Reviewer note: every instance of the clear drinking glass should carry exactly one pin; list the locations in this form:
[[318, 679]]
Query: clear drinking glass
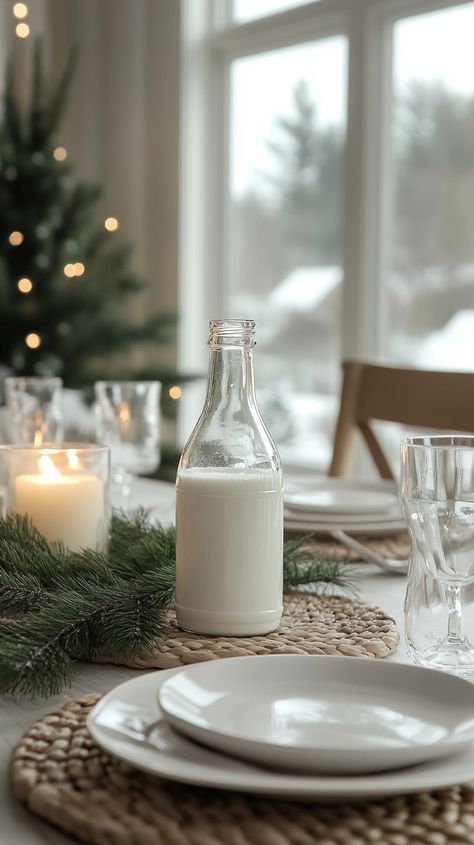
[[229, 501], [64, 491], [437, 492], [34, 413], [128, 420]]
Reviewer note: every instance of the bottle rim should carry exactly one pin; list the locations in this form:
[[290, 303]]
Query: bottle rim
[[231, 332]]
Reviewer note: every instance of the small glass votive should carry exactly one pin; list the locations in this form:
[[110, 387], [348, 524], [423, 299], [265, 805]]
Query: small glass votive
[[64, 490], [34, 413], [128, 420]]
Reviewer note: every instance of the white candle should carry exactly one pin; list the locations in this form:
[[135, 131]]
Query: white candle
[[69, 508]]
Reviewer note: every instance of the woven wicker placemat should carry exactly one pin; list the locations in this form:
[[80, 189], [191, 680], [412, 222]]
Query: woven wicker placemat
[[395, 545], [60, 774], [310, 625]]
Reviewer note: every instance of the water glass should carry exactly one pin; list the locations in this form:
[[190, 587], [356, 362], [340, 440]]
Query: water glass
[[128, 420], [437, 493], [34, 412]]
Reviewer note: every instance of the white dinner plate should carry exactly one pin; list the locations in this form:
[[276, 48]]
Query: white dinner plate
[[372, 529], [332, 518], [167, 754], [341, 499], [327, 715], [324, 494]]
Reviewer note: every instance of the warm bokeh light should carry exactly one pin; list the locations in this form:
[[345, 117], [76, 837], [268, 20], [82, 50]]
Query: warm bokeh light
[[175, 392], [111, 224], [124, 412], [25, 286], [79, 269], [38, 441], [22, 30], [20, 10], [33, 340], [16, 238], [69, 270], [60, 153]]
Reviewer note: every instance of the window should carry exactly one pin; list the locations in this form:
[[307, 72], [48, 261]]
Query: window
[[247, 10], [432, 262], [328, 192], [284, 235]]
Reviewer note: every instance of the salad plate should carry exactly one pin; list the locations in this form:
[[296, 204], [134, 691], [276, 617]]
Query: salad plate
[[118, 724]]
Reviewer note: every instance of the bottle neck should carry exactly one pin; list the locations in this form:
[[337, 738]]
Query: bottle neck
[[230, 382]]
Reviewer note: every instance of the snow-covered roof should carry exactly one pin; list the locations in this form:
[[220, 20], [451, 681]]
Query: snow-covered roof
[[452, 347], [306, 287]]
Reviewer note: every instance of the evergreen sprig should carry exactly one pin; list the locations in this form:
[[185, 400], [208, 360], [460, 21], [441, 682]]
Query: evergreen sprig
[[58, 607]]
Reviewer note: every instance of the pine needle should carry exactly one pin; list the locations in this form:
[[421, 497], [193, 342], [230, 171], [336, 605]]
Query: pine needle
[[302, 566], [74, 606]]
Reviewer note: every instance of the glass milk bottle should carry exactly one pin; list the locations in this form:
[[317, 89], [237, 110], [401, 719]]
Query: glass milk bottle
[[229, 502]]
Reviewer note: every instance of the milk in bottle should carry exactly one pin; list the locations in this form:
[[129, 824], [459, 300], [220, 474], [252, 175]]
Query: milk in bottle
[[229, 502]]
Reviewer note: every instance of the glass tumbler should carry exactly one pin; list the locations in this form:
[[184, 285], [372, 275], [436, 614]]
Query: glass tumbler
[[437, 493], [34, 413], [128, 420], [64, 491]]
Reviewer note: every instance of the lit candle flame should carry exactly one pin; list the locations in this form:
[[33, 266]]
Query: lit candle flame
[[73, 460], [48, 470], [124, 419], [38, 441], [124, 411]]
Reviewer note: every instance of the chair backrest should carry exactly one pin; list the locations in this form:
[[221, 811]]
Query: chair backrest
[[422, 398]]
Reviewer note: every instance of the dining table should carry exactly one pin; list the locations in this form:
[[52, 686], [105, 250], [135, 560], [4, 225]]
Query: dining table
[[17, 825]]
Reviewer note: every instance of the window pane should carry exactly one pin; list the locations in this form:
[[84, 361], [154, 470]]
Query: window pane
[[288, 116], [248, 10], [432, 278]]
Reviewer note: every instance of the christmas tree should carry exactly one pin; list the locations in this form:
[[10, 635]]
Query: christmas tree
[[65, 281]]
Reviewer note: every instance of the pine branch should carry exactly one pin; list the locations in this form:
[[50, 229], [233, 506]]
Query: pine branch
[[58, 100], [36, 107], [12, 121], [302, 566], [77, 605]]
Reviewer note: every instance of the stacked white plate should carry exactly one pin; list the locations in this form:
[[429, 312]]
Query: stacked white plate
[[322, 505], [320, 728]]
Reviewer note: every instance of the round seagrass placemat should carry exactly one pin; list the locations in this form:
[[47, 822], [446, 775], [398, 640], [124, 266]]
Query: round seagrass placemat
[[310, 625], [396, 545], [60, 774]]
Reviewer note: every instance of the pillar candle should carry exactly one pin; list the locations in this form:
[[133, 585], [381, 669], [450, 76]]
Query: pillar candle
[[69, 508]]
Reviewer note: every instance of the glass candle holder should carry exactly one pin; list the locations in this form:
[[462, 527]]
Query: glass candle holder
[[128, 420], [34, 413], [63, 490]]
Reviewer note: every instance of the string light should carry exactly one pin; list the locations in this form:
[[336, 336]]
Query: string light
[[79, 269], [22, 30], [33, 340], [16, 238], [175, 392], [60, 153], [25, 286], [69, 270], [111, 224], [20, 10]]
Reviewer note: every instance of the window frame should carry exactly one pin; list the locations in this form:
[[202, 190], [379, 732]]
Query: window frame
[[210, 42]]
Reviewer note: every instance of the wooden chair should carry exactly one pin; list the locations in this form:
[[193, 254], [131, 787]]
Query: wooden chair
[[422, 398]]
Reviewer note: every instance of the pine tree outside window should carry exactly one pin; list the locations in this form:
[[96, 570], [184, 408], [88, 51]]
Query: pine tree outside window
[[333, 159]]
